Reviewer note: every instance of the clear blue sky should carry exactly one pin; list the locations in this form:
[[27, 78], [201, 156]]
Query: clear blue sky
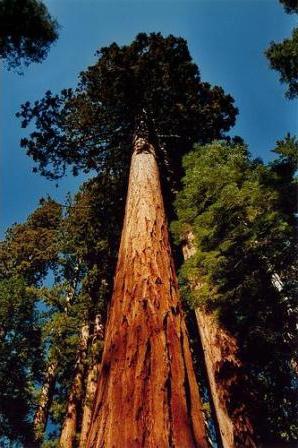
[[226, 38]]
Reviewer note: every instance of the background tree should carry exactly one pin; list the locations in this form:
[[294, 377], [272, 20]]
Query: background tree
[[26, 31], [241, 214], [87, 254], [283, 56], [78, 250], [28, 253], [290, 6], [20, 353], [30, 249]]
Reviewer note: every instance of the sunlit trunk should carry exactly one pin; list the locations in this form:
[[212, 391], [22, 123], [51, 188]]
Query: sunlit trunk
[[92, 378], [70, 424], [45, 400], [147, 395]]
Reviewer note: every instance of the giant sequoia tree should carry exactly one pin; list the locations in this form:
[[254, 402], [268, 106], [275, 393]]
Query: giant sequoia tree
[[151, 84], [146, 372]]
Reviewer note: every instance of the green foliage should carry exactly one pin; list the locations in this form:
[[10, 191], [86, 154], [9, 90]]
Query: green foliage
[[29, 249], [283, 57], [78, 248], [19, 359], [241, 214], [26, 32], [91, 127], [88, 240]]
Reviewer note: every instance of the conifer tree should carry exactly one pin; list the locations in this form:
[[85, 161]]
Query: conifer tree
[[146, 371], [241, 215], [85, 239], [283, 56]]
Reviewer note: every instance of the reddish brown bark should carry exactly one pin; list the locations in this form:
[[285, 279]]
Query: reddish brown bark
[[70, 424], [147, 395], [45, 400], [221, 356]]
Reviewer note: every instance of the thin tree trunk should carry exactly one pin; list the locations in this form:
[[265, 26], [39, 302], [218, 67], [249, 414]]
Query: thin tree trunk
[[45, 400], [70, 424], [224, 371], [147, 395], [91, 382]]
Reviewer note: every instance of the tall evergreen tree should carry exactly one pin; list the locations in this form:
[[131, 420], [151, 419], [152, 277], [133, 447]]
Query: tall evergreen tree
[[146, 373], [93, 128]]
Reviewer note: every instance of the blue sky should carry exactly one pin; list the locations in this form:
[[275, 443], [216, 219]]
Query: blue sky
[[226, 38]]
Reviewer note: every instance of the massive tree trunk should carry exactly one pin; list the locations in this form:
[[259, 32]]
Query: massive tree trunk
[[147, 395], [224, 370], [92, 378], [45, 400], [70, 424]]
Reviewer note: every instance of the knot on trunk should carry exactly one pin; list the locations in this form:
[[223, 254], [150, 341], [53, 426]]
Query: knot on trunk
[[141, 145]]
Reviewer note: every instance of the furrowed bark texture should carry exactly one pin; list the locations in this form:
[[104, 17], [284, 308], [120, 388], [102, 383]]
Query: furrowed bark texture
[[45, 400], [91, 382], [70, 424], [147, 395], [224, 371]]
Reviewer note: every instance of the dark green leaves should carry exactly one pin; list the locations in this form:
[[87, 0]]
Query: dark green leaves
[[92, 127], [20, 359], [283, 57], [26, 31]]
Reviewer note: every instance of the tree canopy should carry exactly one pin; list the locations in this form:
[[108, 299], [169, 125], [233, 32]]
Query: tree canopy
[[91, 127], [283, 57], [290, 6], [26, 32]]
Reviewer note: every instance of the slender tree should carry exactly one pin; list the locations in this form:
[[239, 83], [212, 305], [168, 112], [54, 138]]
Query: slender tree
[[45, 400], [70, 424], [92, 378]]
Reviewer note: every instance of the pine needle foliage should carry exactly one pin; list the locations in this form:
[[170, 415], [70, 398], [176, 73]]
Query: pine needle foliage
[[91, 127]]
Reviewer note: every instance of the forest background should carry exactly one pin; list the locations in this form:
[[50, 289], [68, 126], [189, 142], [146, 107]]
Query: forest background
[[266, 118]]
